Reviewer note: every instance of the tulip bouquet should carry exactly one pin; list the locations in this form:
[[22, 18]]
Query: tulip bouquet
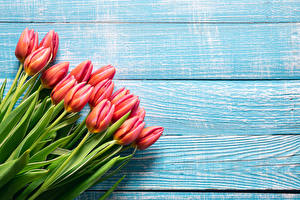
[[45, 152]]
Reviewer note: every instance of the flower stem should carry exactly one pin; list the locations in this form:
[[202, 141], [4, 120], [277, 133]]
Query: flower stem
[[53, 177], [47, 130], [16, 94], [12, 86]]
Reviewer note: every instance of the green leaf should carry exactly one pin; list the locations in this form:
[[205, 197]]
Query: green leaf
[[2, 89], [34, 185], [87, 183], [36, 165], [20, 181], [42, 154], [113, 128], [112, 189], [70, 119], [60, 151], [16, 135], [76, 136], [13, 118], [38, 113], [33, 134], [57, 109], [30, 188], [9, 169]]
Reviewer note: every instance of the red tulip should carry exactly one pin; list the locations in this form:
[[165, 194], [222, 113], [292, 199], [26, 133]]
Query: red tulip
[[106, 72], [54, 74], [119, 94], [51, 40], [37, 60], [100, 117], [27, 43], [129, 131], [60, 90], [148, 137], [139, 112], [77, 97], [102, 90], [124, 105], [83, 71]]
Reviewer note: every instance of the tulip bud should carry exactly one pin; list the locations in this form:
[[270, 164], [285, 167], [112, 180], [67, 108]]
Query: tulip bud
[[106, 72], [54, 74], [102, 90], [37, 60], [129, 131], [118, 94], [148, 136], [77, 97], [139, 112], [124, 105], [100, 117], [60, 90], [27, 43], [51, 40], [83, 71]]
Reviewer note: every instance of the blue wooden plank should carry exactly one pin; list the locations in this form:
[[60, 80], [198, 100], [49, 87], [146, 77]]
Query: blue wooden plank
[[219, 107], [214, 162], [153, 11], [186, 195], [172, 51]]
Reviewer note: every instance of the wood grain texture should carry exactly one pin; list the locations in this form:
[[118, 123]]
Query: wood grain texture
[[172, 51], [220, 107], [186, 195], [216, 162], [151, 11]]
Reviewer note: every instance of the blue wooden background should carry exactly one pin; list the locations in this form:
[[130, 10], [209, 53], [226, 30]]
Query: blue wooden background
[[222, 77]]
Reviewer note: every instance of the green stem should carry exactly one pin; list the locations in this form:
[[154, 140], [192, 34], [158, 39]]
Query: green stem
[[15, 97], [30, 88], [75, 136], [47, 130], [52, 178], [12, 86]]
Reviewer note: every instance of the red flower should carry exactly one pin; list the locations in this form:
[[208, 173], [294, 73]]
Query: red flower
[[51, 40], [106, 72], [102, 90], [119, 94], [100, 117], [83, 71], [37, 60], [139, 112], [124, 105], [77, 97], [60, 90], [129, 131], [54, 74], [27, 43], [148, 137]]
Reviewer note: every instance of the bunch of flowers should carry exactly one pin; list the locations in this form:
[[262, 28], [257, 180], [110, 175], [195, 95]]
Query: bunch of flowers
[[45, 153]]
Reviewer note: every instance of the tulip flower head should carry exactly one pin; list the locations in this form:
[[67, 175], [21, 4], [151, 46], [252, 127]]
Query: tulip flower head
[[27, 43], [139, 112], [77, 97], [83, 71], [129, 131], [62, 88], [124, 105], [106, 72], [37, 60], [54, 74], [148, 136], [102, 90], [51, 40], [100, 117], [118, 95]]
